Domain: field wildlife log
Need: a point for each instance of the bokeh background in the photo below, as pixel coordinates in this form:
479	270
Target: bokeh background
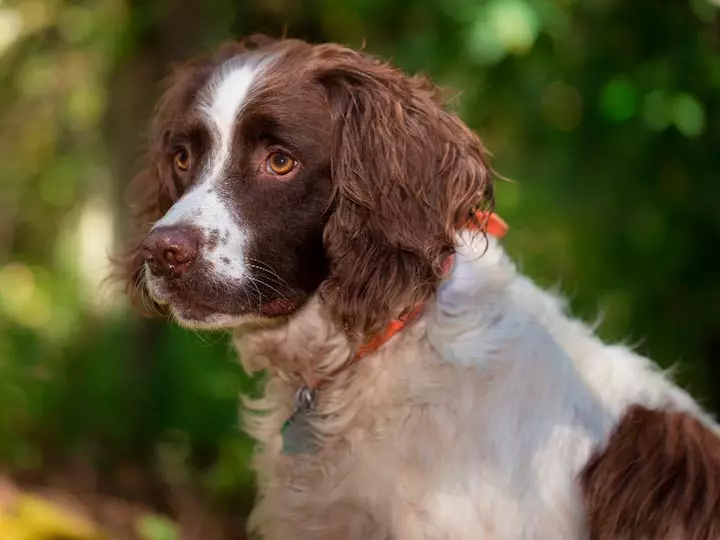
603	114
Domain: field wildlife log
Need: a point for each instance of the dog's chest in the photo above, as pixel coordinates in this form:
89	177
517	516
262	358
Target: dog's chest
441	464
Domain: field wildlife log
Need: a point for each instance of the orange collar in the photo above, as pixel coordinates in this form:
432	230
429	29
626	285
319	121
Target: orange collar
490	222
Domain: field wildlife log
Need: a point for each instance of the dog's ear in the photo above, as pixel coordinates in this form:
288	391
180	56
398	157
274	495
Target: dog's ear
406	174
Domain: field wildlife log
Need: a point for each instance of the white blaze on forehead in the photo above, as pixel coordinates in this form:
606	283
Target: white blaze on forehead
225	96
221	102
203	207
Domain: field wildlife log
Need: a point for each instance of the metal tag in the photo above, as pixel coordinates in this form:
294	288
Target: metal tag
296	432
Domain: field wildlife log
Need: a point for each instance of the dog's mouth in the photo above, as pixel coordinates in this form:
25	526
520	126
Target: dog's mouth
223	309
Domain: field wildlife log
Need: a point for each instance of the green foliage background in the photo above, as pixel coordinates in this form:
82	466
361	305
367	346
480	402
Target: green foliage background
605	114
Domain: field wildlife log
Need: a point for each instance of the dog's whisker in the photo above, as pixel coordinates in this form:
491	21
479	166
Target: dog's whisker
259	294
255	280
272	278
268	270
139	293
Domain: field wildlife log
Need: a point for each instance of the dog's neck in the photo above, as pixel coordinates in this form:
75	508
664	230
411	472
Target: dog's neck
308	346
312	346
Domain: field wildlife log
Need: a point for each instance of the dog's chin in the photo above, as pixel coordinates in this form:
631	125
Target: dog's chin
226	313
201	316
219	321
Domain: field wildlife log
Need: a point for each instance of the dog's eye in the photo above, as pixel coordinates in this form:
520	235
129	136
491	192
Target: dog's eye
182	159
279	163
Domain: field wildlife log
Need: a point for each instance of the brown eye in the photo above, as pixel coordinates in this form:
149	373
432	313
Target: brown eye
182	159
279	163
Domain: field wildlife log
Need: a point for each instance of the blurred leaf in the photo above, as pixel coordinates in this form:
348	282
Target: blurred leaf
618	100
34	518
153	527
689	115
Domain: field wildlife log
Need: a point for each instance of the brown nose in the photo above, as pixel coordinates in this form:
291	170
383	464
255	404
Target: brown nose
168	251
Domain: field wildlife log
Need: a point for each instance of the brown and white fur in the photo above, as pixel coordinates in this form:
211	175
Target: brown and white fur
495	415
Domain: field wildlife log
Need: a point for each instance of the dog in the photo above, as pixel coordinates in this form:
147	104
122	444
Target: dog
336	217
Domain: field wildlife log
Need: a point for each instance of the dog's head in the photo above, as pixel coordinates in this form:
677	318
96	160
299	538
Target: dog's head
284	169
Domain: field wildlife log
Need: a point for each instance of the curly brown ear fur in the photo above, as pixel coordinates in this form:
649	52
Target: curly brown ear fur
155	189
407	173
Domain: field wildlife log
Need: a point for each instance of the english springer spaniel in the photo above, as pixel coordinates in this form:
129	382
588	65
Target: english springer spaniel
336	217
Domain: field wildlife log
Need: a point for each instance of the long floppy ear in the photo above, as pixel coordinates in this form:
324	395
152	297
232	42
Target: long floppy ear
154	190
407	173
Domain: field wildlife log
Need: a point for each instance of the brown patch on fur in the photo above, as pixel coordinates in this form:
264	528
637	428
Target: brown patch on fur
658	475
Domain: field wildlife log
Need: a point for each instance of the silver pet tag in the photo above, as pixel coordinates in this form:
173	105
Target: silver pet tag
296	432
